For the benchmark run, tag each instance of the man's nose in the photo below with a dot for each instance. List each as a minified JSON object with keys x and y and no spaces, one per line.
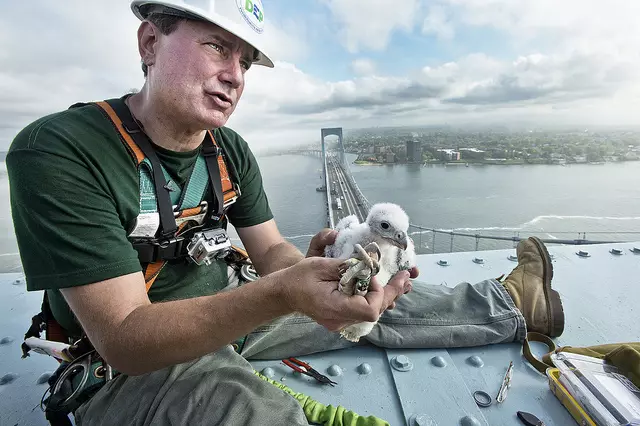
{"x":232,"y":74}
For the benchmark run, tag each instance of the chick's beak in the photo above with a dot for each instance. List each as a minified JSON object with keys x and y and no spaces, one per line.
{"x":401,"y":240}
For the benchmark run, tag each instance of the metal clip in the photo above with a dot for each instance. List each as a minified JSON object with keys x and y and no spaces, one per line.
{"x":506,"y":384}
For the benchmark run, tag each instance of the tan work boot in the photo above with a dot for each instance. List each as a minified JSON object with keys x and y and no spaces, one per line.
{"x":529,"y":285}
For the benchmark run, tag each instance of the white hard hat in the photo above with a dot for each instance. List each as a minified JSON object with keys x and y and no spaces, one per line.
{"x":243,"y":18}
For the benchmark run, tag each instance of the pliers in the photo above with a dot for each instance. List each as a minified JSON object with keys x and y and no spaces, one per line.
{"x":304,"y":368}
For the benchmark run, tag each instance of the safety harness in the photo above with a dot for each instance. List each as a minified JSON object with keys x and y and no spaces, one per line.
{"x":170,"y":215}
{"x":173,"y":225}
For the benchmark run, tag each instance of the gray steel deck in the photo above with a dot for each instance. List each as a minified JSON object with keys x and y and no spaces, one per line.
{"x":600,"y":296}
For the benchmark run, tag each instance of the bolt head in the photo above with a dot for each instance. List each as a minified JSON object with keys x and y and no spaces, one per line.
{"x":402,"y":361}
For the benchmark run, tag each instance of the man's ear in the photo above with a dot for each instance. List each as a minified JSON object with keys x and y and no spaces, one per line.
{"x":147,"y":40}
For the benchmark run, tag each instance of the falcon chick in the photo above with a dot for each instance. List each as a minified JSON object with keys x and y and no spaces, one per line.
{"x":379,"y":247}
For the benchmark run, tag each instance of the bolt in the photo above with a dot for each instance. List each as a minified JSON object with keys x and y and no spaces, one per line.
{"x":423,"y":420}
{"x":44,"y":378}
{"x":268,"y":372}
{"x":334,"y":370}
{"x":6,"y":340}
{"x":364,"y":368}
{"x":402,"y":361}
{"x":469,"y":421}
{"x":8,"y":378}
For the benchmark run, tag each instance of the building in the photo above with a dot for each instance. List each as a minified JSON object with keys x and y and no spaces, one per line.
{"x":391,"y":157}
{"x":448,"y":155}
{"x":471,"y":154}
{"x":414,"y":151}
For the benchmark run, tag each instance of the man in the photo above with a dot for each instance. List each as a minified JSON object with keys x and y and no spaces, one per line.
{"x":77,"y":199}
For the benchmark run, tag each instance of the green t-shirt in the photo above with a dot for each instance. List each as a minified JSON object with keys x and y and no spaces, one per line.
{"x":74,"y":191}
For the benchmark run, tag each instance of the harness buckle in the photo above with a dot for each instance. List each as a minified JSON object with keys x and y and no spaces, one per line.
{"x":151,"y":250}
{"x":210,"y":150}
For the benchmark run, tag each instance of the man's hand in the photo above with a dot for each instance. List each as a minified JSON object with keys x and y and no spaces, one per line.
{"x":322,"y":239}
{"x":311,"y":288}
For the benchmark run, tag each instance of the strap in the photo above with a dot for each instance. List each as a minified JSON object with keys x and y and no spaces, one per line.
{"x":526,"y":350}
{"x":165,"y":208}
{"x":211,"y":153}
{"x":139,"y":143}
{"x":196,"y":186}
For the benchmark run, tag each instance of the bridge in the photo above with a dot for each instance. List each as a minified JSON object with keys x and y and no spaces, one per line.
{"x":344,"y":198}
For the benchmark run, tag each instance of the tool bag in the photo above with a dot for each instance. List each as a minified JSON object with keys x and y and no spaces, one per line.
{"x":624,"y":356}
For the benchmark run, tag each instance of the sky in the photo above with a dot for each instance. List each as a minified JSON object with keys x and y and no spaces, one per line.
{"x":353,"y":64}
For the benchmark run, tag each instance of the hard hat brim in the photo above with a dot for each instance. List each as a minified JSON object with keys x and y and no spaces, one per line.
{"x":197,"y":13}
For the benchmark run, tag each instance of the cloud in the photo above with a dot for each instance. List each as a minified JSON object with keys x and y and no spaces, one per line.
{"x":551,"y":78}
{"x":370,"y":25}
{"x":575,"y":61}
{"x":567,"y":24}
{"x":437,"y":22}
{"x":363,"y":66}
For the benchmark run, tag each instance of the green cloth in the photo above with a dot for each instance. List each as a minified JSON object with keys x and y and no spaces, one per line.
{"x":74,"y":193}
{"x":321,"y":414}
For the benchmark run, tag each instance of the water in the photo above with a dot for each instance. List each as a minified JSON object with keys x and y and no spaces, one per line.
{"x":548,"y":201}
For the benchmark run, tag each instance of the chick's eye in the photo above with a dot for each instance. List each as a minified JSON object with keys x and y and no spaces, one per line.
{"x":384,"y":225}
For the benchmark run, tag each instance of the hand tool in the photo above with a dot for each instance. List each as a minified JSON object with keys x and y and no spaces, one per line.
{"x":304,"y":368}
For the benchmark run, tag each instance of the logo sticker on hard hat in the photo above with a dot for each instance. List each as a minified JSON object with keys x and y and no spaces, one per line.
{"x":252,"y":12}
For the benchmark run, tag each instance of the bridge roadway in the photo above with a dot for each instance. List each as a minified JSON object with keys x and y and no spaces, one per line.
{"x":344,"y":191}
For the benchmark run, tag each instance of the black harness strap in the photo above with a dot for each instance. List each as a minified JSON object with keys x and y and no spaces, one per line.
{"x":211,"y":153}
{"x":168,"y":226}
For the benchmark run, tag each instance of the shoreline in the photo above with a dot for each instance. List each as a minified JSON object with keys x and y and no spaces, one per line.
{"x":489,"y":163}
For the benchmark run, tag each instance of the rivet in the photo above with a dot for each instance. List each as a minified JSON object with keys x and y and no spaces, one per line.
{"x":513,"y":258}
{"x":268,"y":372}
{"x":476,"y":361}
{"x":364,"y":368}
{"x":615,"y":251}
{"x":6,"y":340}
{"x":334,"y":370}
{"x":402,"y":363}
{"x":422,"y":420}
{"x":583,"y":253}
{"x":44,"y":378}
{"x":443,"y":263}
{"x":17,"y":282}
{"x":478,"y":260}
{"x":469,"y":421}
{"x":8,"y":378}
{"x":438,"y":361}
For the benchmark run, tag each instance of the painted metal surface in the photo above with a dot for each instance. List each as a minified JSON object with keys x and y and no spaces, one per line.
{"x":599,"y":293}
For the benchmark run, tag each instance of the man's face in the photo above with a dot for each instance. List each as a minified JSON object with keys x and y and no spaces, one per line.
{"x":198,"y":73}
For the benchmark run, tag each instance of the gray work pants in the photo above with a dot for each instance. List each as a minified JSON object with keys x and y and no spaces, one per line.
{"x":221,"y":389}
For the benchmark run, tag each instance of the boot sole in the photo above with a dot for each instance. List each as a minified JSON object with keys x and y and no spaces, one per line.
{"x":556,"y":311}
